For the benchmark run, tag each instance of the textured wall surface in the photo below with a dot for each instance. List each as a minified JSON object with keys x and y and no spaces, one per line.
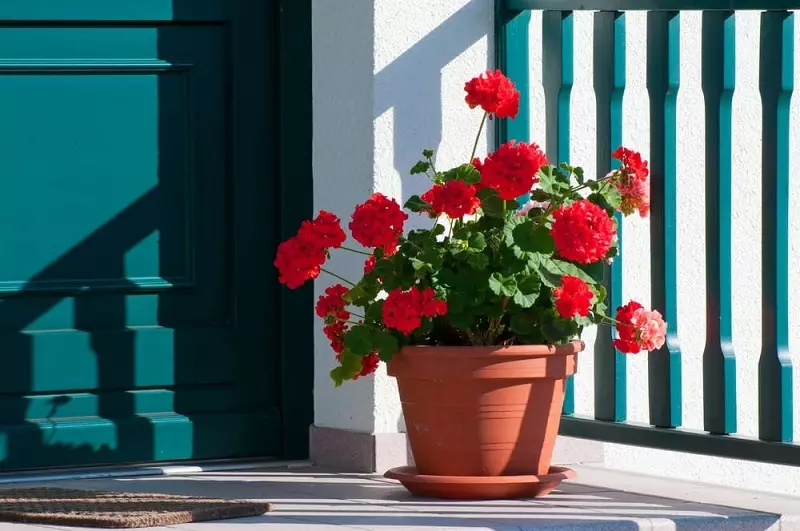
{"x":389,"y":82}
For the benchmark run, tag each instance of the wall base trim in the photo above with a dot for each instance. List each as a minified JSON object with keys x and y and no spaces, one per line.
{"x":352,"y":451}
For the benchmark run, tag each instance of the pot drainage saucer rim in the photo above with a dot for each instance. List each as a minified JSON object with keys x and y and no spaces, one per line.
{"x":480,"y":487}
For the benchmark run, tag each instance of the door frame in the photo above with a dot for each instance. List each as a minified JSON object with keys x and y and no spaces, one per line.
{"x":295,"y":130}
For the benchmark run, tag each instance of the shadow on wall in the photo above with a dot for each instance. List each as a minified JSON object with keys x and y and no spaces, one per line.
{"x":411,"y":85}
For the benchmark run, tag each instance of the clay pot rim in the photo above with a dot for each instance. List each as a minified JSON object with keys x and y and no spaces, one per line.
{"x":527,"y":351}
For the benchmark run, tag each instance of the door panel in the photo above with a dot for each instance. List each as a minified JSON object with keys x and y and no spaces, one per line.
{"x":136,"y":304}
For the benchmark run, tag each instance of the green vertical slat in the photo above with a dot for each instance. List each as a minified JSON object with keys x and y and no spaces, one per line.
{"x":610,"y":393}
{"x":718,"y":83}
{"x":557,"y":66}
{"x":513,"y":60}
{"x":776,"y":81}
{"x":663,"y":82}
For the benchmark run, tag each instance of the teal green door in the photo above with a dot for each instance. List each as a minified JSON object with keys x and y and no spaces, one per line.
{"x":137,"y":224}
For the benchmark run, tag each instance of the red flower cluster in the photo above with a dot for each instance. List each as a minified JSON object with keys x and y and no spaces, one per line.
{"x":631,"y":179}
{"x":335,"y":333}
{"x":369,"y":264}
{"x":404,"y":310}
{"x":454,"y":198}
{"x":332,"y":303}
{"x":300,"y":257}
{"x":639,"y":329}
{"x":378,"y":222}
{"x":494,"y":93}
{"x":325,"y":231}
{"x":369,"y":364}
{"x":511,"y":170}
{"x":583,"y":232}
{"x":573,"y":297}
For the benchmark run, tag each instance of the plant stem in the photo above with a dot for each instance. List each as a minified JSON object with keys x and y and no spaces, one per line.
{"x":355,"y":251}
{"x":331,"y":273}
{"x":477,"y":138}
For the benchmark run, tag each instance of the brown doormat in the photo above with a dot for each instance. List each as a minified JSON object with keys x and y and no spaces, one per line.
{"x":115,"y":509}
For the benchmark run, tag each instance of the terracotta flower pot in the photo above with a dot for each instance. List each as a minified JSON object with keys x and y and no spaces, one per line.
{"x":483,"y":411}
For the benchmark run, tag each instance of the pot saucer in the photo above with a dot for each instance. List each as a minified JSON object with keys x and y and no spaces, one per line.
{"x":479,"y":487}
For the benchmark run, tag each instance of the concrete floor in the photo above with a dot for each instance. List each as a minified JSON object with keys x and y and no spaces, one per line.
{"x":312,"y":499}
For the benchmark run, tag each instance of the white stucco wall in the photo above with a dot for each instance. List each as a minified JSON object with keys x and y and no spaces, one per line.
{"x":388,"y":82}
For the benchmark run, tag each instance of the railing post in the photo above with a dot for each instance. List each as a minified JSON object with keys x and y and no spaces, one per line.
{"x":718,"y":82}
{"x":511,"y":30}
{"x":663,"y":82}
{"x":776,"y":83}
{"x":610,"y":366}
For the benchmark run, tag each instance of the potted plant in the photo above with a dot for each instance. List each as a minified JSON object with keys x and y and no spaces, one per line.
{"x":479,"y":316}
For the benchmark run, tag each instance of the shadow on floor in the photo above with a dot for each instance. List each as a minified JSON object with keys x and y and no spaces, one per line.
{"x":308,"y":497}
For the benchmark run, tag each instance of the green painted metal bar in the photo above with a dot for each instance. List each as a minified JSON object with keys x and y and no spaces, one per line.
{"x":682,"y":440}
{"x":610,"y":372}
{"x":557,"y":65}
{"x":776,"y":83}
{"x":513,"y":60}
{"x":652,"y":5}
{"x":719,"y":359}
{"x":663,"y":82}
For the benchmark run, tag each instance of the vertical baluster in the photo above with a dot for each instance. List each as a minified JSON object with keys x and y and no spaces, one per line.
{"x":513,"y":60}
{"x":609,"y":85}
{"x":663,"y":82}
{"x":776,"y":80}
{"x":557,"y":68}
{"x":719,"y":361}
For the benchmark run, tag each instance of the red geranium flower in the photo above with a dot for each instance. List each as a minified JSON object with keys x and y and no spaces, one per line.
{"x":454,"y":198}
{"x":573,"y":297}
{"x":299,"y":260}
{"x":403,"y":310}
{"x":494,"y":93}
{"x":335,"y":333}
{"x":632,"y":181}
{"x":369,"y":364}
{"x":639,"y":329}
{"x":325,"y":231}
{"x":511,"y":170}
{"x":369,"y":264}
{"x":378,"y":222}
{"x":583,"y":232}
{"x":331,"y":303}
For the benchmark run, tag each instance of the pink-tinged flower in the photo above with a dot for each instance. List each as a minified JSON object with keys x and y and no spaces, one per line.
{"x":651,"y":328}
{"x":639,"y":329}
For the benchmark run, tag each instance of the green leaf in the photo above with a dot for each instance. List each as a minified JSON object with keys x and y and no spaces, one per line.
{"x":466,"y":172}
{"x":552,"y":181}
{"x":562,"y":268}
{"x":601,"y":201}
{"x":477,"y":241}
{"x":420,"y":167}
{"x":511,"y":224}
{"x":522,"y":324}
{"x":385,"y":343}
{"x":427,"y":153}
{"x":613,"y":196}
{"x":557,"y":330}
{"x":533,"y":238}
{"x":527,"y":292}
{"x":506,"y":287}
{"x":595,"y":271}
{"x":579,"y":176}
{"x":491,"y":204}
{"x":374,"y":312}
{"x":478,"y":261}
{"x":349,"y":367}
{"x":358,"y":340}
{"x":540,"y":196}
{"x":416,"y":204}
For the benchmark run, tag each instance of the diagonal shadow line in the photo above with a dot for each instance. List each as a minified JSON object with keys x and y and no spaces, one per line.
{"x":412,"y":85}
{"x":109,"y":243}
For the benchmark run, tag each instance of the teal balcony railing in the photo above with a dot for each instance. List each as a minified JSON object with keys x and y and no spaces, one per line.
{"x":776,"y":75}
